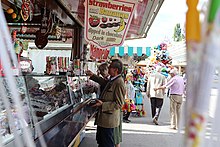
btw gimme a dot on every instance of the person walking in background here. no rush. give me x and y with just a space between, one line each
177 87
109 130
129 99
156 79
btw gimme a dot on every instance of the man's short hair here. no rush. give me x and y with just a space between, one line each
116 63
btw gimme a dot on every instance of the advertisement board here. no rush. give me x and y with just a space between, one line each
107 21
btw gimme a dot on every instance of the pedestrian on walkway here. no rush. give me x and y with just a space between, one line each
177 87
129 98
156 79
109 130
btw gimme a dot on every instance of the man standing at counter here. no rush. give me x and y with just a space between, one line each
110 104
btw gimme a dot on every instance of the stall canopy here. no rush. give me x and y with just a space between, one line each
69 14
68 17
143 18
121 50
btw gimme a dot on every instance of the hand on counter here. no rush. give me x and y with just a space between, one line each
98 103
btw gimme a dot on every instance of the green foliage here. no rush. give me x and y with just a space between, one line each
178 36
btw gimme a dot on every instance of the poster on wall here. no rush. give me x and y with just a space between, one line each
107 21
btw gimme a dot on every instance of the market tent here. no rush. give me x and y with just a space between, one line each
121 50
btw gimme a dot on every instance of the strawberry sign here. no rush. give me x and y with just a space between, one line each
107 21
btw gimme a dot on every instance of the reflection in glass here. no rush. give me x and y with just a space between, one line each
47 94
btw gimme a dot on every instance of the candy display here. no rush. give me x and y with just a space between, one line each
55 64
44 97
26 65
47 94
51 65
138 82
81 88
161 55
63 64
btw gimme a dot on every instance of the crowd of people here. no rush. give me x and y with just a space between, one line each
116 99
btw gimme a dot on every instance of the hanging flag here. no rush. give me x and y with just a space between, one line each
107 22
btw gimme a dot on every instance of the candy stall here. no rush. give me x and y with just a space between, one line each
55 96
54 90
54 104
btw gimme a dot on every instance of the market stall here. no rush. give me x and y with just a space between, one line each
56 104
57 99
52 103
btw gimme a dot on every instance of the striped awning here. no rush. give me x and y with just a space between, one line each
121 50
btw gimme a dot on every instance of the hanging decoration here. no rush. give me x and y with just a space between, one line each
161 54
25 9
42 34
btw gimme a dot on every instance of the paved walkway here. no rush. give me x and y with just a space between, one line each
142 132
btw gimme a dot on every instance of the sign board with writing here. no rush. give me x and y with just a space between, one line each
98 53
107 21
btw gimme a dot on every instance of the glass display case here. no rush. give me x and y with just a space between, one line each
51 102
48 95
69 128
81 88
7 128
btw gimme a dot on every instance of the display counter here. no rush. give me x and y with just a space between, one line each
65 132
57 107
5 128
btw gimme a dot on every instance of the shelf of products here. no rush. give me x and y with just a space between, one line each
47 94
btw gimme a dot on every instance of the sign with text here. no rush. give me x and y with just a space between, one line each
107 21
98 53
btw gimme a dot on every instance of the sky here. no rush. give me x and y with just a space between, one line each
170 13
